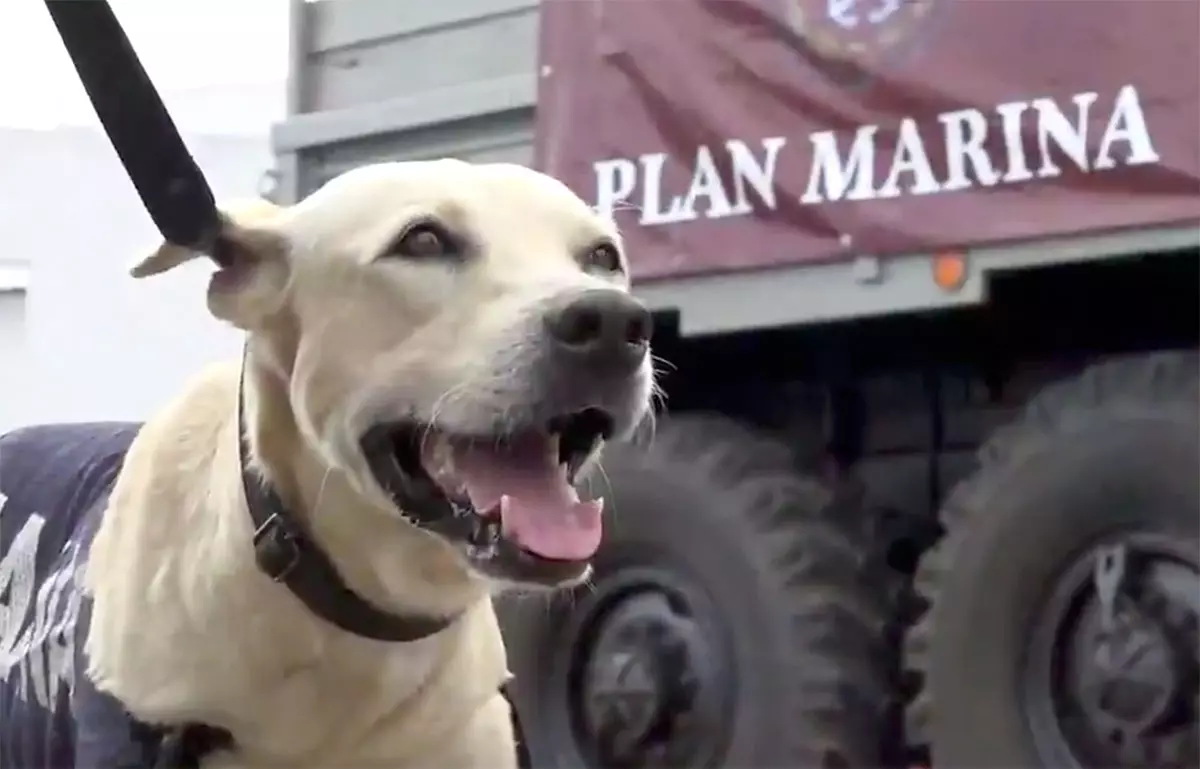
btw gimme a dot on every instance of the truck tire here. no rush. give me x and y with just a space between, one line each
1100 471
736 618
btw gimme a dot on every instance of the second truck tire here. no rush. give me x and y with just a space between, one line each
737 617
1021 661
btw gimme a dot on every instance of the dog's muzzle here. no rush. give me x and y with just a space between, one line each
507 501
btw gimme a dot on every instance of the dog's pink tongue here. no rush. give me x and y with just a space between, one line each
539 509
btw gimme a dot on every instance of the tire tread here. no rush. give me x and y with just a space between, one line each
837 597
1125 387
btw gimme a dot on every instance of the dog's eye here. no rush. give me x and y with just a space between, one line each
603 256
423 241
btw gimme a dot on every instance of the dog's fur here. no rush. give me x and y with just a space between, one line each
185 628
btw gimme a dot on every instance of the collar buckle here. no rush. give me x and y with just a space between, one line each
277 548
287 554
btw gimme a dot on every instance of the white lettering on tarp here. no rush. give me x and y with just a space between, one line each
748 170
708 195
1070 138
652 206
37 622
1126 124
965 131
910 159
844 13
980 149
830 177
1014 146
615 182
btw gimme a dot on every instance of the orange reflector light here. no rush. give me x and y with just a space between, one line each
950 270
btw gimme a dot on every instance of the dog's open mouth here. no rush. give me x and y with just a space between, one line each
524 481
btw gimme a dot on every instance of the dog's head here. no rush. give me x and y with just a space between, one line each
459 335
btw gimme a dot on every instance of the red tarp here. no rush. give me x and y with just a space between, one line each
733 134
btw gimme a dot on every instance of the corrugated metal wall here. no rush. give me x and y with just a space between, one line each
380 80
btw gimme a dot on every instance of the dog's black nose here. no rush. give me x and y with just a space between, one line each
604 330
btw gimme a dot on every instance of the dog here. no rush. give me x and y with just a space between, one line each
439 335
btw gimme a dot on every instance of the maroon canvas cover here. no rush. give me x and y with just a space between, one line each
738 134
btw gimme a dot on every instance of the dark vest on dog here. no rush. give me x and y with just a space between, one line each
54 487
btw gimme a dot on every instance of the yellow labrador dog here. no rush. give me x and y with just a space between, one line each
434 351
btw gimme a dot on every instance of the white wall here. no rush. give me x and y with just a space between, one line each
183 44
97 344
86 341
14 359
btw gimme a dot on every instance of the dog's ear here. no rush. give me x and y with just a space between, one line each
252 255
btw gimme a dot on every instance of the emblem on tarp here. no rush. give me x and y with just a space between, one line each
852 42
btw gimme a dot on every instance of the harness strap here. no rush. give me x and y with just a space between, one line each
187 746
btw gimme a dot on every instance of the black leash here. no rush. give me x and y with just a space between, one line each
170 184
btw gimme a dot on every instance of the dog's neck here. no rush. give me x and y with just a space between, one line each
184 623
386 561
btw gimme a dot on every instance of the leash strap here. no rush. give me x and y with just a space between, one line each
167 179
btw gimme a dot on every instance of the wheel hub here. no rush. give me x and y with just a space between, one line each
1138 674
647 690
1125 679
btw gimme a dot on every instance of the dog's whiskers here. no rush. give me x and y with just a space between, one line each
321 490
445 399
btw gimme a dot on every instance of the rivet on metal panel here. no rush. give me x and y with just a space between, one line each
866 269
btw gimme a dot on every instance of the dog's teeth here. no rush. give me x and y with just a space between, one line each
552 446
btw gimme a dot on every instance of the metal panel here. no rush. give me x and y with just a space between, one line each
368 51
491 138
839 291
376 80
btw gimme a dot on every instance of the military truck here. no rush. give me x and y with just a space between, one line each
925 488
